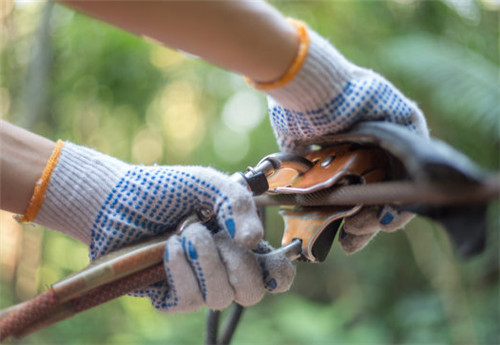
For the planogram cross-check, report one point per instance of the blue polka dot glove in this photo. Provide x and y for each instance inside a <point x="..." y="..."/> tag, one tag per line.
<point x="107" y="204"/>
<point x="328" y="95"/>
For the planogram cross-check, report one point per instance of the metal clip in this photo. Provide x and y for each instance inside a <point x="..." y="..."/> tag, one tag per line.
<point x="315" y="174"/>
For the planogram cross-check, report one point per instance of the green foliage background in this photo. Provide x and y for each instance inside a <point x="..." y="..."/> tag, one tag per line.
<point x="67" y="76"/>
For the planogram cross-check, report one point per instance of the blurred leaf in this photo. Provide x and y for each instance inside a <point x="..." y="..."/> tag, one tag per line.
<point x="463" y="83"/>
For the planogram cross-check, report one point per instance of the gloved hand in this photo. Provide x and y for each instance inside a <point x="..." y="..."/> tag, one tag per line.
<point x="323" y="93"/>
<point x="107" y="204"/>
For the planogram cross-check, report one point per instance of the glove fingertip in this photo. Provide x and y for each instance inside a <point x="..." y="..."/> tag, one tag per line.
<point x="363" y="223"/>
<point x="278" y="272"/>
<point x="248" y="234"/>
<point x="239" y="219"/>
<point x="392" y="220"/>
<point x="387" y="218"/>
<point x="353" y="243"/>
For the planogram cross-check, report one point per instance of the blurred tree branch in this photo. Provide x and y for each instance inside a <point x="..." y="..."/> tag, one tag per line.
<point x="36" y="98"/>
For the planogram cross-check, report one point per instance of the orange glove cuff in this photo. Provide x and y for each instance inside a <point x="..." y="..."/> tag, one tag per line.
<point x="41" y="186"/>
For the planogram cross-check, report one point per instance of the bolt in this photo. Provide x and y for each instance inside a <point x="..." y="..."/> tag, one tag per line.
<point x="327" y="161"/>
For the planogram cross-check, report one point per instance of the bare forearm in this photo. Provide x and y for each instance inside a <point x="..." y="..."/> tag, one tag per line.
<point x="249" y="37"/>
<point x="23" y="156"/>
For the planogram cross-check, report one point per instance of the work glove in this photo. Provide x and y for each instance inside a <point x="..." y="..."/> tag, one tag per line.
<point x="323" y="93"/>
<point x="108" y="204"/>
